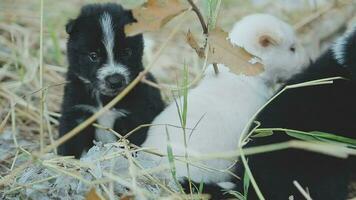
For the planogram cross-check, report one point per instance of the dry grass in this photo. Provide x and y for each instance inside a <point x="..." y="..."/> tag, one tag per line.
<point x="20" y="83"/>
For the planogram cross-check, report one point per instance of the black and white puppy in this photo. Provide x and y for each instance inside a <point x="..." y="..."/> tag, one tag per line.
<point x="103" y="61"/>
<point x="328" y="108"/>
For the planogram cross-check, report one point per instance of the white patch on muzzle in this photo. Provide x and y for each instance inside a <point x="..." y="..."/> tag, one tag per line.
<point x="111" y="67"/>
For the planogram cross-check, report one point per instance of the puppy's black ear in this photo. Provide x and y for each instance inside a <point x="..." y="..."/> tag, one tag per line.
<point x="70" y="26"/>
<point x="129" y="15"/>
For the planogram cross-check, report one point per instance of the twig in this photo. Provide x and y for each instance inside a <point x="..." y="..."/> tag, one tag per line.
<point x="152" y="84"/>
<point x="204" y="27"/>
<point x="200" y="16"/>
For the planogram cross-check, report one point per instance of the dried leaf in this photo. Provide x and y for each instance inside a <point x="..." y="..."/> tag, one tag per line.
<point x="236" y="58"/>
<point x="92" y="195"/>
<point x="194" y="44"/>
<point x="152" y="15"/>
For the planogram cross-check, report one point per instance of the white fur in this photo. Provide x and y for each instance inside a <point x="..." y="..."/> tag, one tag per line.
<point x="109" y="35"/>
<point x="85" y="80"/>
<point x="225" y="102"/>
<point x="111" y="67"/>
<point x="280" y="62"/>
<point x="227" y="185"/>
<point x="339" y="46"/>
<point x="106" y="120"/>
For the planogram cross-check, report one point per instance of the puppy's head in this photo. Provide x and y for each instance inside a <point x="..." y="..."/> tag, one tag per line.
<point x="99" y="53"/>
<point x="274" y="42"/>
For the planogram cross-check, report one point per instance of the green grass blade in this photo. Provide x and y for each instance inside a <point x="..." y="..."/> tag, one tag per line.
<point x="172" y="162"/>
<point x="212" y="7"/>
<point x="308" y="136"/>
<point x="246" y="183"/>
<point x="201" y="187"/>
<point x="185" y="96"/>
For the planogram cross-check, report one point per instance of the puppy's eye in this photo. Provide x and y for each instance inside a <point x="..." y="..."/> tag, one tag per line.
<point x="292" y="49"/>
<point x="93" y="56"/>
<point x="126" y="53"/>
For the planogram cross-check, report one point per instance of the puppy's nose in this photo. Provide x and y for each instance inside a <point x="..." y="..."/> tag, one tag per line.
<point x="115" y="81"/>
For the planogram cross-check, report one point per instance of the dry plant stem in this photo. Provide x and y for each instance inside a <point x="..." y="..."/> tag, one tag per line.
<point x="41" y="81"/>
<point x="174" y="87"/>
<point x="318" y="147"/>
<point x="31" y="184"/>
<point x="132" y="172"/>
<point x="49" y="127"/>
<point x="6" y="179"/>
<point x="204" y="27"/>
<point x="301" y="190"/>
<point x="122" y="138"/>
<point x="152" y="178"/>
<point x="200" y="16"/>
<point x="13" y="123"/>
<point x="104" y="188"/>
<point x="313" y="17"/>
<point x="15" y="159"/>
<point x="19" y="101"/>
<point x="3" y="123"/>
<point x="149" y="125"/>
<point x="66" y="172"/>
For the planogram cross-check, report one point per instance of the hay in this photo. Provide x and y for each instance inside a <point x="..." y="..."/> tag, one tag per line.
<point x="56" y="177"/>
<point x="104" y="167"/>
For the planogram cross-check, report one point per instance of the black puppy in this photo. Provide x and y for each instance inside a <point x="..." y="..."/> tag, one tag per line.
<point x="329" y="108"/>
<point x="103" y="61"/>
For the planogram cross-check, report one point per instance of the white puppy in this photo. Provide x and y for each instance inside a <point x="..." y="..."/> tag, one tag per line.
<point x="220" y="106"/>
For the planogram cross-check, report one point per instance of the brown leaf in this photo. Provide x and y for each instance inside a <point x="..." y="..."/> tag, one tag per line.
<point x="152" y="15"/>
<point x="234" y="57"/>
<point x="194" y="44"/>
<point x="92" y="195"/>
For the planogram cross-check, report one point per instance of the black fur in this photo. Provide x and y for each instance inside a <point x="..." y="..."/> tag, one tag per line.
<point x="85" y="35"/>
<point x="328" y="108"/>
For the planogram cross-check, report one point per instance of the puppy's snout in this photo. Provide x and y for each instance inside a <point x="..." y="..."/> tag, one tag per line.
<point x="115" y="81"/>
